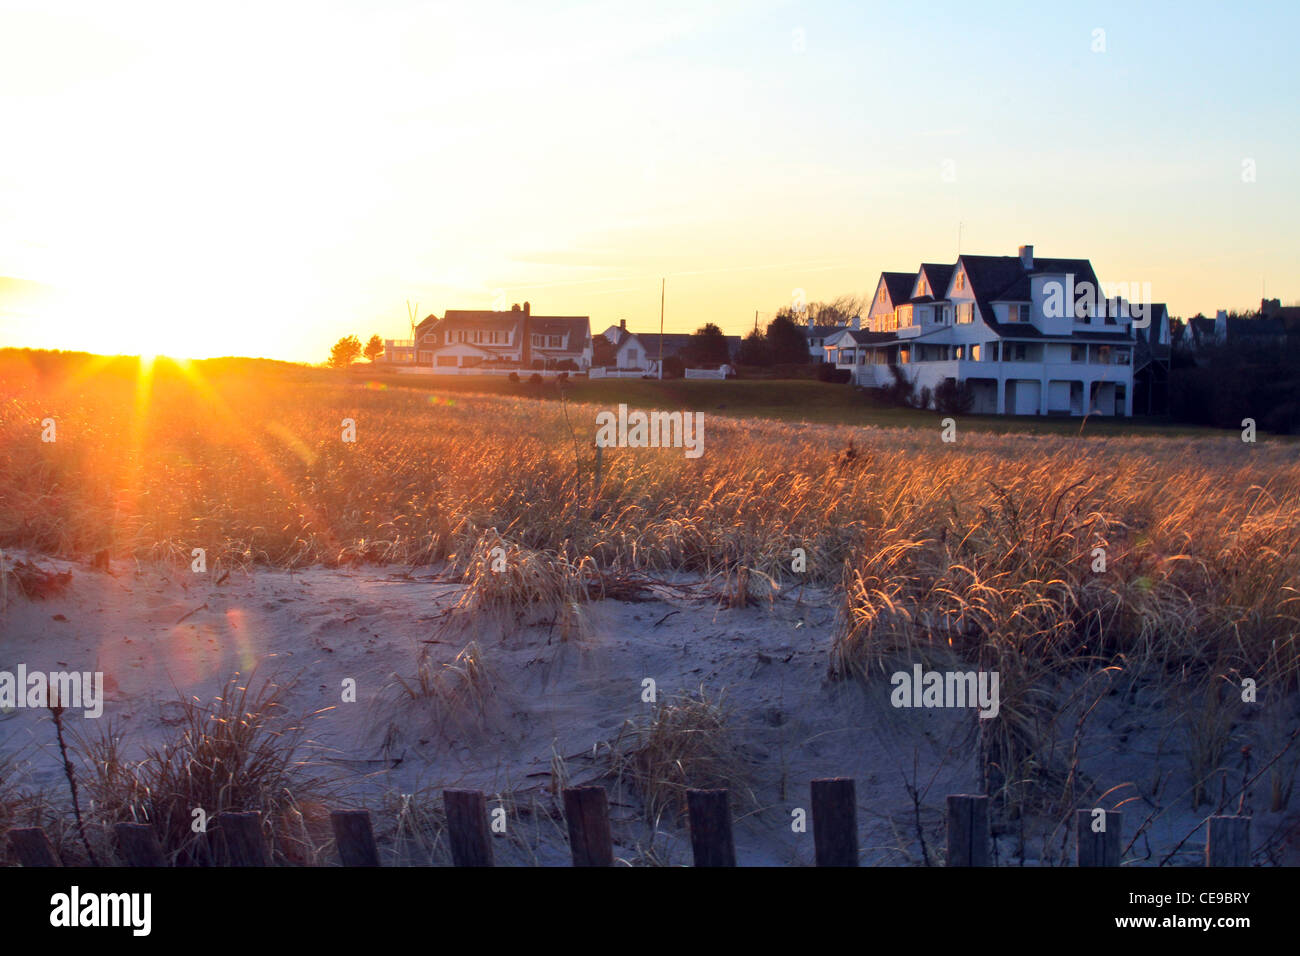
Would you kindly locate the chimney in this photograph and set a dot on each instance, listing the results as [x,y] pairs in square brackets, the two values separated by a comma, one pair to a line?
[1027,257]
[622,325]
[810,323]
[527,309]
[856,324]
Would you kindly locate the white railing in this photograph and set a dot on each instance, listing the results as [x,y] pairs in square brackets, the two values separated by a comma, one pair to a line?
[617,373]
[523,373]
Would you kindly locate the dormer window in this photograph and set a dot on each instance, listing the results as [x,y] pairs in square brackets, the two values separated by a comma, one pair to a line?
[1018,313]
[961,281]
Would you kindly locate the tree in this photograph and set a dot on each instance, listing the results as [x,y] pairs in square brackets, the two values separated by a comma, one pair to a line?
[374,348]
[754,350]
[345,351]
[603,353]
[708,346]
[839,311]
[786,341]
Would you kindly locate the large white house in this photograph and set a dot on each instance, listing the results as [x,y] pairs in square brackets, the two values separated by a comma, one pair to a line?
[1026,336]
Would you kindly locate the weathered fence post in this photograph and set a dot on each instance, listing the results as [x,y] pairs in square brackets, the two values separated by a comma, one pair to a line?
[239,840]
[835,821]
[137,845]
[1097,848]
[355,837]
[467,827]
[32,847]
[968,830]
[1228,842]
[711,839]
[587,811]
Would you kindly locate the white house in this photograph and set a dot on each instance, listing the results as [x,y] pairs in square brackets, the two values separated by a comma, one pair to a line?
[1026,336]
[818,336]
[640,351]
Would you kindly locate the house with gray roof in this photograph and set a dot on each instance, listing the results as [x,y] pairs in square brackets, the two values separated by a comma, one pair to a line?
[1025,335]
[485,340]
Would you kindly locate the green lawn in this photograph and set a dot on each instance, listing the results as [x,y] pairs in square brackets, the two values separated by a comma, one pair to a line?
[791,400]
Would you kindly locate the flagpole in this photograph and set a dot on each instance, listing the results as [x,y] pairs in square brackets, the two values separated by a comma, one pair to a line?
[662,285]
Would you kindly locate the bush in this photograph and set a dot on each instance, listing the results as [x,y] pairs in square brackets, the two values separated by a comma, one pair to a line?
[826,372]
[535,379]
[900,392]
[674,367]
[953,398]
[514,377]
[925,398]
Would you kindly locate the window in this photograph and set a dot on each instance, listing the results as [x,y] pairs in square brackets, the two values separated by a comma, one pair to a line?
[1078,353]
[904,315]
[975,351]
[961,281]
[965,313]
[961,353]
[1018,313]
[1014,351]
[1123,356]
[1103,354]
[882,293]
[904,355]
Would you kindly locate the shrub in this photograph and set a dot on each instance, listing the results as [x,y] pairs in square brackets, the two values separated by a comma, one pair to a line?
[953,397]
[514,377]
[900,392]
[535,379]
[826,372]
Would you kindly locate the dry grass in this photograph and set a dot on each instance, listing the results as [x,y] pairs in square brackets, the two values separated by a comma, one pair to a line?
[685,743]
[241,751]
[979,554]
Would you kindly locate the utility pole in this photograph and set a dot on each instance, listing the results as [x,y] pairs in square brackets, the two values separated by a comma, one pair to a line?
[663,283]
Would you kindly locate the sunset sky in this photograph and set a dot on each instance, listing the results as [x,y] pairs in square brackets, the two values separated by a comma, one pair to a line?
[263,178]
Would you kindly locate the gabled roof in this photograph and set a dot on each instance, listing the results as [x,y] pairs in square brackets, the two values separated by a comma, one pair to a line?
[1005,279]
[862,337]
[898,284]
[938,276]
[577,327]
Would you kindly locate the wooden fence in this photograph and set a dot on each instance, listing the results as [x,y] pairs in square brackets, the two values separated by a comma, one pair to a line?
[237,839]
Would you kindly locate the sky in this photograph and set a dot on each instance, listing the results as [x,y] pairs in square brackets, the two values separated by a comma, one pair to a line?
[262,178]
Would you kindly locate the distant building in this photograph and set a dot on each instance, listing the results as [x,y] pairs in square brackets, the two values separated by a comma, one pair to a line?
[640,351]
[491,340]
[818,335]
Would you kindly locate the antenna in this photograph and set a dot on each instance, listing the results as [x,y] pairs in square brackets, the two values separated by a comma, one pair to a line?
[410,316]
